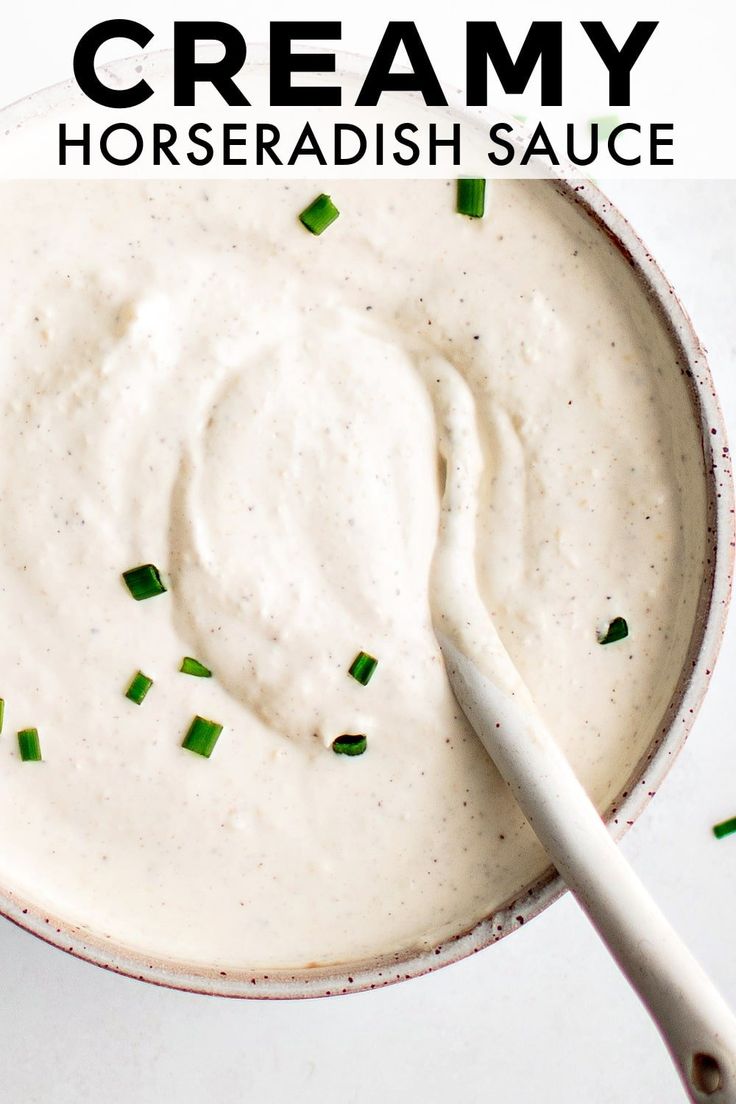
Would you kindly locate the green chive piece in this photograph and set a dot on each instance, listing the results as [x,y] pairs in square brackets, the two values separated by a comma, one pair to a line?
[617,630]
[471,197]
[138,688]
[202,736]
[320,214]
[144,582]
[349,745]
[606,125]
[29,745]
[191,666]
[2,713]
[726,828]
[362,668]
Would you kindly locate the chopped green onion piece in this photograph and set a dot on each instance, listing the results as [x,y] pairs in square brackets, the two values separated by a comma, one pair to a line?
[191,666]
[349,745]
[362,668]
[2,713]
[202,736]
[138,688]
[471,197]
[320,214]
[726,828]
[144,582]
[617,630]
[29,745]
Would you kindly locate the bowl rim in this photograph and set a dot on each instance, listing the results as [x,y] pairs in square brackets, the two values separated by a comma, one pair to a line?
[644,779]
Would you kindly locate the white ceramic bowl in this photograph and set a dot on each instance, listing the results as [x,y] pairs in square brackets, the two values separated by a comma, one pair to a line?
[635,791]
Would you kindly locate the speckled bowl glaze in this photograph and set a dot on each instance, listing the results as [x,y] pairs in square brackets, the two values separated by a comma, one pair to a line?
[645,779]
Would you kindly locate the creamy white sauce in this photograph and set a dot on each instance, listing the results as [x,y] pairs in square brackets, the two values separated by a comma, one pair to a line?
[190,379]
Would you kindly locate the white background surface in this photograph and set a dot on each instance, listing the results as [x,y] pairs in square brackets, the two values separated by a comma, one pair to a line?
[541,1018]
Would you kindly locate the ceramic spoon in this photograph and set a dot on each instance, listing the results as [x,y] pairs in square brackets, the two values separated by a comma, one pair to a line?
[694,1020]
[696,1024]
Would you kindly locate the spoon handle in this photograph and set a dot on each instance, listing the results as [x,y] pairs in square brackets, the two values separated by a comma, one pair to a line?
[694,1020]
